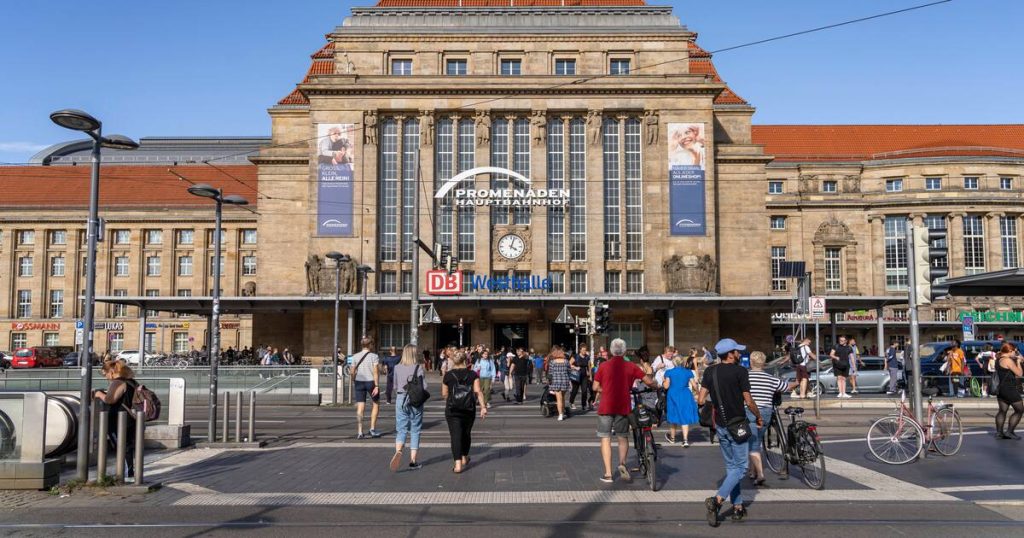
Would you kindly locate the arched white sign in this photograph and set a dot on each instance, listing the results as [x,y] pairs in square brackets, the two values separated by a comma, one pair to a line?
[518,196]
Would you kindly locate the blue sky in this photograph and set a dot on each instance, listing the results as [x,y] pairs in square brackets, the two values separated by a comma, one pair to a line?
[210,68]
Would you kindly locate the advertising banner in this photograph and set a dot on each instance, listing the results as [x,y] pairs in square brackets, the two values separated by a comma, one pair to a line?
[687,155]
[335,179]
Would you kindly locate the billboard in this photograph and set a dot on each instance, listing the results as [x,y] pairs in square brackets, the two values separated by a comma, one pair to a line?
[335,156]
[687,155]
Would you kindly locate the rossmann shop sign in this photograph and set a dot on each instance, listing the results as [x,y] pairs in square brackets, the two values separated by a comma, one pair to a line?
[443,283]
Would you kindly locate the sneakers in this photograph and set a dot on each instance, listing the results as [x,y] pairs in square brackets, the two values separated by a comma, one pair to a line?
[738,513]
[624,473]
[561,417]
[375,434]
[607,479]
[415,465]
[854,391]
[712,505]
[842,395]
[686,444]
[670,440]
[572,407]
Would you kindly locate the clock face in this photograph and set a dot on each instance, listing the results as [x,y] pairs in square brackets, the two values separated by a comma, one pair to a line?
[511,246]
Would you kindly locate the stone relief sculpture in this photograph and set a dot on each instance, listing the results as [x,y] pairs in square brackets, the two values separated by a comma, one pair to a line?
[426,128]
[370,127]
[594,126]
[690,274]
[539,122]
[313,269]
[651,124]
[483,128]
[347,66]
[249,290]
[321,277]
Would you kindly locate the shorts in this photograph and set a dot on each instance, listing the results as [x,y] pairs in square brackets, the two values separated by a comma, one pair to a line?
[364,389]
[802,373]
[607,424]
[841,371]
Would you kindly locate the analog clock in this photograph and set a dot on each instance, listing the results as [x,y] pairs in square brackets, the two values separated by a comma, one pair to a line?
[511,246]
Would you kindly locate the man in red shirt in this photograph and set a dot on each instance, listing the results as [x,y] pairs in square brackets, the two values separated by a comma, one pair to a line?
[613,381]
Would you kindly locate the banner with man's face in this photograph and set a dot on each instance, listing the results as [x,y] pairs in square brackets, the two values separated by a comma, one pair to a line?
[687,154]
[335,179]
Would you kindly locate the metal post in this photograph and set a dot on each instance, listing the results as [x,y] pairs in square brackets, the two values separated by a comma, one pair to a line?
[92,229]
[334,349]
[238,417]
[817,367]
[365,275]
[227,417]
[346,391]
[94,420]
[414,303]
[142,338]
[671,327]
[915,386]
[211,421]
[880,329]
[252,416]
[140,445]
[101,448]
[122,434]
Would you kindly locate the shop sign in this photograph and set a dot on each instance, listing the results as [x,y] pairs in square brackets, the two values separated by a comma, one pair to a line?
[35,326]
[173,325]
[109,326]
[442,283]
[1006,316]
[230,325]
[522,196]
[792,317]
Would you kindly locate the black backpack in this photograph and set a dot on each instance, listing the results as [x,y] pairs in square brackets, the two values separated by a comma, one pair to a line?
[416,395]
[794,355]
[461,397]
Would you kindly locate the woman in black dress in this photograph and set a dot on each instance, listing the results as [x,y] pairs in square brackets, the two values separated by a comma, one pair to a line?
[461,393]
[1008,368]
[118,397]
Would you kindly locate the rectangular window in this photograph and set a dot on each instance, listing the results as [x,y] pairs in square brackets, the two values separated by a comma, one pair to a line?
[974,245]
[19,340]
[153,266]
[120,310]
[456,67]
[249,237]
[778,223]
[613,282]
[775,187]
[521,163]
[25,266]
[511,67]
[894,185]
[942,315]
[122,237]
[899,314]
[895,253]
[121,266]
[971,183]
[578,282]
[634,281]
[26,237]
[210,238]
[1008,240]
[829,186]
[401,66]
[58,237]
[184,265]
[56,303]
[833,269]
[556,180]
[467,215]
[612,218]
[619,66]
[186,237]
[410,164]
[577,190]
[632,333]
[184,293]
[24,303]
[388,206]
[444,169]
[181,343]
[116,341]
[154,237]
[565,67]
[467,281]
[51,339]
[557,281]
[212,258]
[634,192]
[407,281]
[932,183]
[393,335]
[57,266]
[500,158]
[152,293]
[248,265]
[1006,183]
[778,256]
[388,282]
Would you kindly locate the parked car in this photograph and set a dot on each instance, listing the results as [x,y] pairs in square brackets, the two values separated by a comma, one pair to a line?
[871,376]
[71,360]
[36,357]
[131,357]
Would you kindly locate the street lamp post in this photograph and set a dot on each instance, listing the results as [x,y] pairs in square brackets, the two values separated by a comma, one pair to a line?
[339,259]
[364,271]
[78,120]
[206,191]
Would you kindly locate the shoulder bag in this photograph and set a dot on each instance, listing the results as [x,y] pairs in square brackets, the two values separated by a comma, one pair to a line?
[415,394]
[355,368]
[739,427]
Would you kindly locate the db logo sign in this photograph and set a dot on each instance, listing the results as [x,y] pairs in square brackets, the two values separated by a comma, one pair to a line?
[441,283]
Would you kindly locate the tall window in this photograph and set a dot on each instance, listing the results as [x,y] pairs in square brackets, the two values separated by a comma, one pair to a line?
[613,282]
[393,335]
[895,253]
[612,217]
[974,245]
[456,67]
[510,148]
[388,216]
[1008,240]
[56,303]
[25,266]
[401,66]
[51,339]
[212,258]
[407,282]
[120,310]
[444,169]
[181,343]
[557,281]
[121,266]
[938,223]
[58,237]
[410,169]
[634,281]
[565,67]
[24,303]
[556,180]
[512,67]
[19,340]
[833,269]
[184,265]
[577,190]
[577,282]
[186,237]
[466,214]
[248,265]
[57,266]
[619,66]
[388,282]
[153,266]
[116,341]
[778,256]
[634,192]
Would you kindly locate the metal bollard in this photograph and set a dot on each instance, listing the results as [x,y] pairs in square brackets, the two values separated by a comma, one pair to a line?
[252,416]
[227,417]
[122,433]
[140,445]
[238,417]
[94,420]
[101,448]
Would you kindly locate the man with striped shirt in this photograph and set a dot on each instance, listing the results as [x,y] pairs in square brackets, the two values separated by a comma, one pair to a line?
[763,387]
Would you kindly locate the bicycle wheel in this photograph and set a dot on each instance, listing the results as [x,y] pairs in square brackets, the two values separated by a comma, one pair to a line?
[948,432]
[975,387]
[652,461]
[812,460]
[773,447]
[895,440]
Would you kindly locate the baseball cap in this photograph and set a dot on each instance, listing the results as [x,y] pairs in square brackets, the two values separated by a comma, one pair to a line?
[726,345]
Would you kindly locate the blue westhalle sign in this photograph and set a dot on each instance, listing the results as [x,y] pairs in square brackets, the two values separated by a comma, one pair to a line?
[510,283]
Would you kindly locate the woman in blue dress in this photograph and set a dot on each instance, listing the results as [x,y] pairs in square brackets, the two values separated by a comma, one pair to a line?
[680,382]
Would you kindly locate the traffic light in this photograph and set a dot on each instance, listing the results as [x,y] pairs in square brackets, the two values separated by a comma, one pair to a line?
[602,318]
[452,265]
[925,273]
[443,255]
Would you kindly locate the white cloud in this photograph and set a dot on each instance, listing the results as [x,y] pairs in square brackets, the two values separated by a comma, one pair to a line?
[15,147]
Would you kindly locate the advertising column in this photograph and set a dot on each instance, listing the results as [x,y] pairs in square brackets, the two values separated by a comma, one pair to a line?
[335,179]
[687,154]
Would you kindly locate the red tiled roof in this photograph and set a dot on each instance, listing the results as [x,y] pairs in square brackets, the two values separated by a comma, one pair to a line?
[325,53]
[323,64]
[700,64]
[867,142]
[506,3]
[120,186]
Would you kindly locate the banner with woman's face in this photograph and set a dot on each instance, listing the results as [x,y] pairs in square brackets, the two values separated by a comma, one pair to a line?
[687,154]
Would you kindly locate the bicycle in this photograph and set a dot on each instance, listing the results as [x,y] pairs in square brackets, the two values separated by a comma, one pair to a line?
[898,438]
[800,446]
[642,419]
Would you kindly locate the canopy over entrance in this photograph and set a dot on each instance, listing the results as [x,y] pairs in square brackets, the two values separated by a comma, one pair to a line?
[1009,282]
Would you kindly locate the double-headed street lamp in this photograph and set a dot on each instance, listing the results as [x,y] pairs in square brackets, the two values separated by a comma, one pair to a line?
[77,120]
[207,191]
[339,259]
[364,271]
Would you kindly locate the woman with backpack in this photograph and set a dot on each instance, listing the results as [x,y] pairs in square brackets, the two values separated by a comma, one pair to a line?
[408,417]
[118,397]
[461,393]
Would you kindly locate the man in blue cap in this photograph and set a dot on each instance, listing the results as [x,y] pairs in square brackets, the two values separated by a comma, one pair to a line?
[728,384]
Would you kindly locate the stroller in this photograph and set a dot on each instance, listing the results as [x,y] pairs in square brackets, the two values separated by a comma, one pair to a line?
[548,403]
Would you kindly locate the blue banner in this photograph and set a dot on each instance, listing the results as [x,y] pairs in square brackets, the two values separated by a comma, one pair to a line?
[335,181]
[686,176]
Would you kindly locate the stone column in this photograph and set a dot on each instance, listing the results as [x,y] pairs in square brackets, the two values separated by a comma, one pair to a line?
[993,242]
[955,241]
[538,175]
[425,190]
[595,204]
[876,253]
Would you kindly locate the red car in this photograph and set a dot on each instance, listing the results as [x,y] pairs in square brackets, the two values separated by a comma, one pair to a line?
[36,357]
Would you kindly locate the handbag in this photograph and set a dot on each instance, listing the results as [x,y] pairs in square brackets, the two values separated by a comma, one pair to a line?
[415,394]
[738,427]
[574,376]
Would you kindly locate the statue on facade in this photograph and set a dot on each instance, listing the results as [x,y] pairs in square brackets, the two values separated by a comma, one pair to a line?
[314,266]
[426,128]
[348,67]
[249,290]
[370,127]
[539,122]
[690,274]
[651,125]
[594,126]
[349,283]
[483,128]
